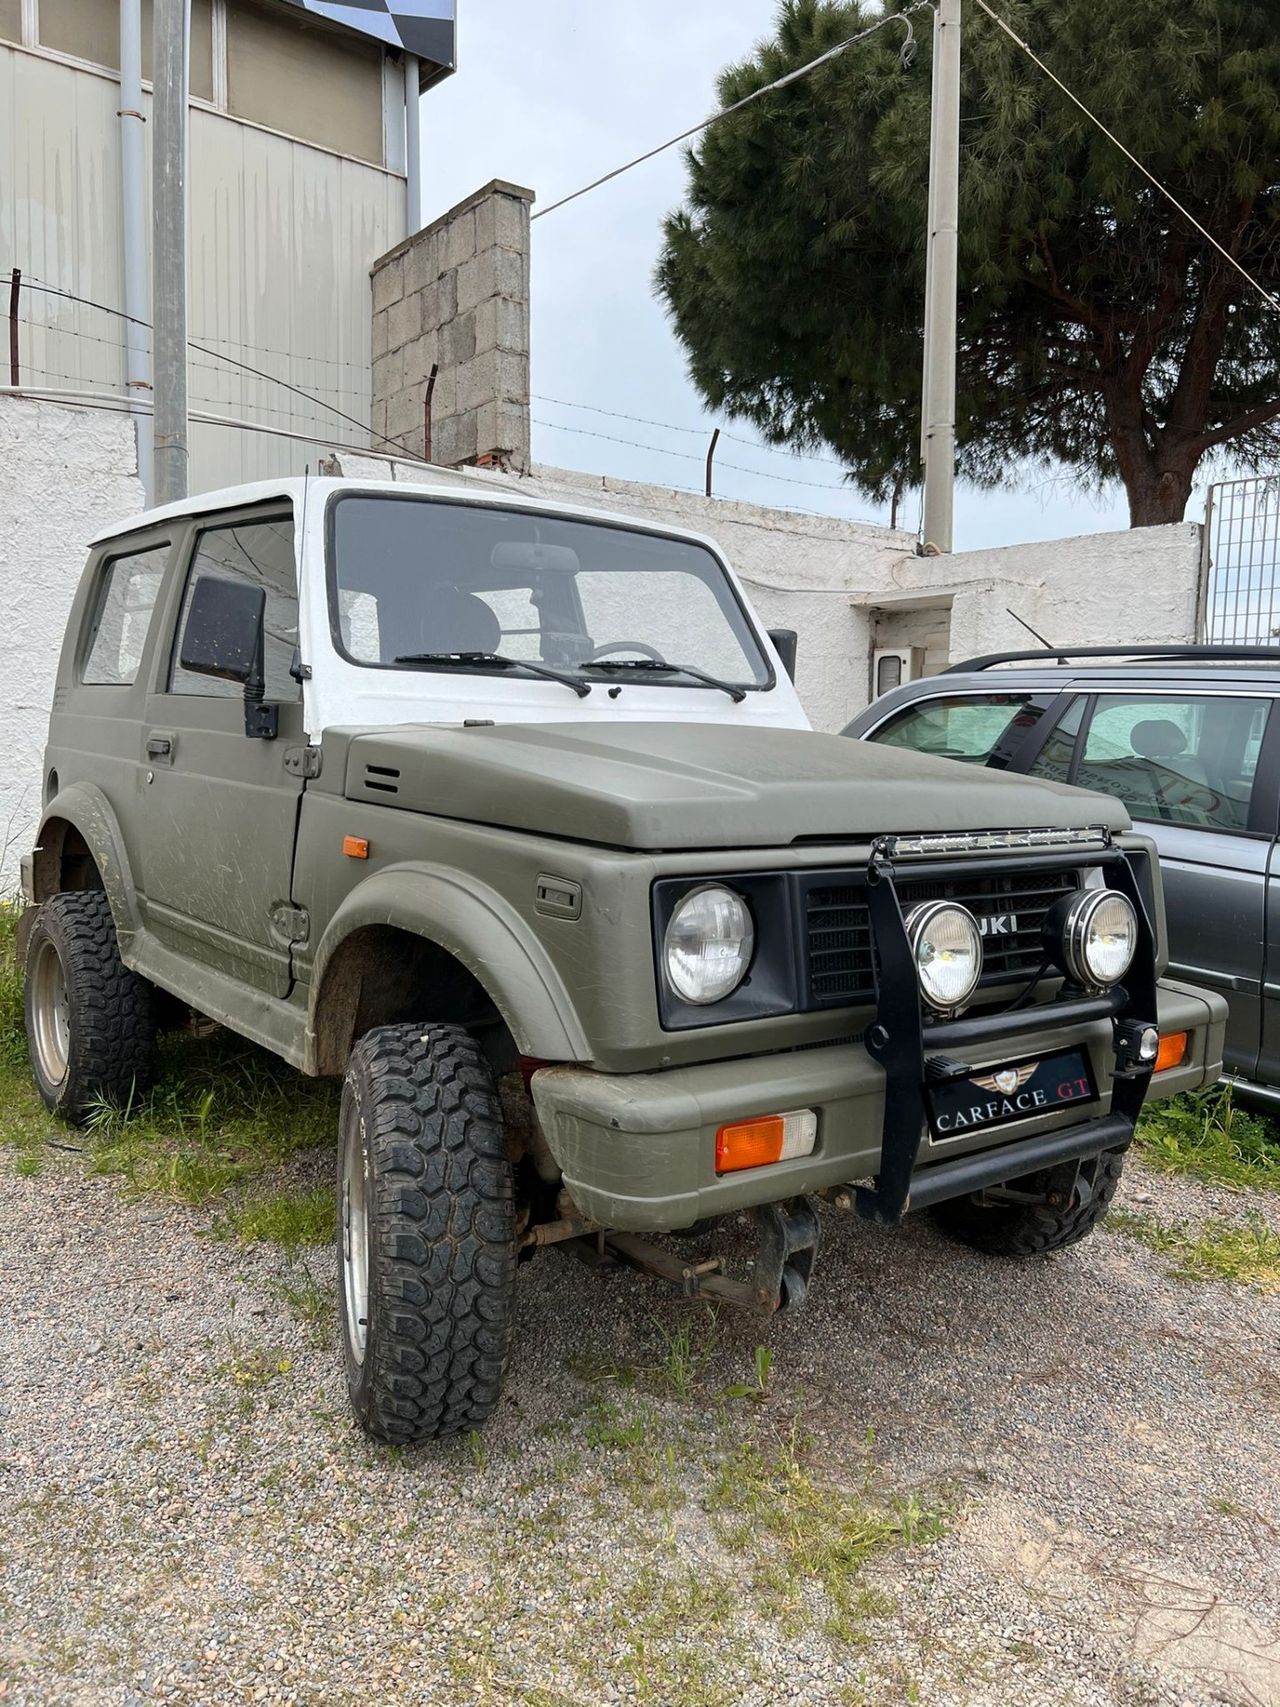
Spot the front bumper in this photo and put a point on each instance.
(638, 1150)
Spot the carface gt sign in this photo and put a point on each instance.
(1023, 1088)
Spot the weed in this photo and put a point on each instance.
(1246, 1252)
(686, 1355)
(307, 1299)
(280, 1218)
(825, 1535)
(1206, 1135)
(251, 1368)
(759, 1389)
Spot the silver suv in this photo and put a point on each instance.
(1185, 736)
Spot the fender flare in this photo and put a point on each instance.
(483, 932)
(85, 808)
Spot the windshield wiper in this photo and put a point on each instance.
(495, 661)
(660, 666)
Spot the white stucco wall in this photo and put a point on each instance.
(64, 474)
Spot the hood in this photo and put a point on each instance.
(698, 785)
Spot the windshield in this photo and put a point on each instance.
(414, 581)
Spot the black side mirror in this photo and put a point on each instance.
(223, 637)
(784, 644)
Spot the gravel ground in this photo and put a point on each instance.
(187, 1515)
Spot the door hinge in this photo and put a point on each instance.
(291, 924)
(302, 761)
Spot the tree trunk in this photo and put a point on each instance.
(1156, 499)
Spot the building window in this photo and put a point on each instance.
(293, 77)
(10, 20)
(90, 30)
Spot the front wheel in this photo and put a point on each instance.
(426, 1233)
(1029, 1229)
(90, 1021)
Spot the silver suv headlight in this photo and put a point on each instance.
(706, 950)
(1099, 937)
(946, 946)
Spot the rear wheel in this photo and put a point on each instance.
(1011, 1229)
(426, 1233)
(90, 1021)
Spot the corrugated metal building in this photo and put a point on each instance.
(297, 184)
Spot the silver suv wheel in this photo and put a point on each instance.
(50, 1012)
(354, 1211)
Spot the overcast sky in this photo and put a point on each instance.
(551, 95)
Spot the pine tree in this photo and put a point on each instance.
(1100, 335)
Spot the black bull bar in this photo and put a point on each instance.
(901, 1039)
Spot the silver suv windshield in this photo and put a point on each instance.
(422, 583)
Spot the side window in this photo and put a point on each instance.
(127, 593)
(1176, 759)
(1053, 761)
(261, 553)
(983, 730)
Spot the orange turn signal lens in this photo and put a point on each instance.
(770, 1138)
(1172, 1051)
(355, 847)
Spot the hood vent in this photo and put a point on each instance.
(382, 779)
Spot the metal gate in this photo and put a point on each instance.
(1241, 577)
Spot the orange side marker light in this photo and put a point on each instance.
(355, 847)
(1172, 1052)
(770, 1138)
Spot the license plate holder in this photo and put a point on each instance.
(1012, 1090)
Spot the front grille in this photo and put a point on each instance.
(1010, 906)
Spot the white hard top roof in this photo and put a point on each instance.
(317, 488)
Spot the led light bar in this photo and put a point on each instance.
(1096, 837)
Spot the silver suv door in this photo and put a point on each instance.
(1186, 763)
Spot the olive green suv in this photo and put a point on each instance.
(508, 815)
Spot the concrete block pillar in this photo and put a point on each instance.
(457, 294)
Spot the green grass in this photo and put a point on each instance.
(823, 1535)
(1208, 1136)
(282, 1218)
(220, 1120)
(1246, 1253)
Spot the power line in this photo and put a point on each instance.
(697, 432)
(907, 54)
(1267, 296)
(30, 282)
(689, 456)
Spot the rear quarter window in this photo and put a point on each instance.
(120, 618)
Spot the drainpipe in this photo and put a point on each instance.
(133, 202)
(413, 145)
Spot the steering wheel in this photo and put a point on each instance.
(627, 646)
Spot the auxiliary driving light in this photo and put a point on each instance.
(1097, 937)
(946, 946)
(771, 1138)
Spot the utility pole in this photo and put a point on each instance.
(938, 415)
(170, 61)
(133, 202)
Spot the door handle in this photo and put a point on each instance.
(159, 746)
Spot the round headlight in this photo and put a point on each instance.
(707, 946)
(1099, 937)
(946, 946)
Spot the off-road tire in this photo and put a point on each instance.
(110, 1026)
(1027, 1230)
(421, 1112)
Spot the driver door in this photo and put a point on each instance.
(219, 810)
